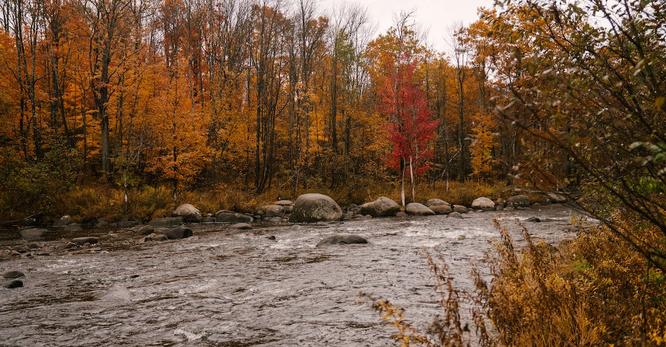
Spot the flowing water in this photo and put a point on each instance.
(232, 288)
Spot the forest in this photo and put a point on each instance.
(248, 97)
(123, 109)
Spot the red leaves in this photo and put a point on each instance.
(411, 127)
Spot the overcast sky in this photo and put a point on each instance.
(435, 17)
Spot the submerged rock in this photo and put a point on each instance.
(13, 274)
(14, 284)
(382, 207)
(533, 220)
(188, 212)
(483, 203)
(313, 207)
(342, 240)
(416, 209)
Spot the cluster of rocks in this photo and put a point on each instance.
(13, 279)
(307, 208)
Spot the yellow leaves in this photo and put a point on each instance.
(660, 102)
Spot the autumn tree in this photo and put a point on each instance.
(411, 127)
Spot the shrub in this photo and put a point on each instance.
(593, 290)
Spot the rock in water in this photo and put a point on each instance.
(177, 233)
(14, 284)
(225, 216)
(188, 212)
(13, 274)
(342, 240)
(483, 203)
(313, 207)
(534, 220)
(459, 209)
(33, 234)
(382, 207)
(83, 240)
(518, 201)
(416, 209)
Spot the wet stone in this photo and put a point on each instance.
(14, 284)
(342, 240)
(13, 274)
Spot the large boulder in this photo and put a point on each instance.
(188, 212)
(520, 200)
(441, 209)
(342, 240)
(225, 216)
(436, 202)
(382, 207)
(483, 203)
(416, 209)
(33, 234)
(314, 207)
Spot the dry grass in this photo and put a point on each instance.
(593, 290)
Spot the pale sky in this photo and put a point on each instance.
(435, 17)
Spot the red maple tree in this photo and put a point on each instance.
(411, 125)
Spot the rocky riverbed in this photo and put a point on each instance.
(227, 287)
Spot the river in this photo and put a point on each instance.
(268, 286)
